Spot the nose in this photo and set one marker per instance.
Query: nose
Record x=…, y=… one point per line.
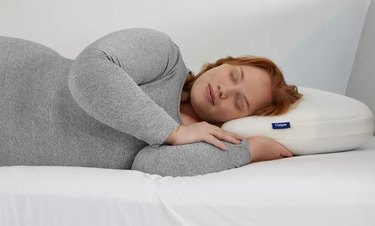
x=226, y=91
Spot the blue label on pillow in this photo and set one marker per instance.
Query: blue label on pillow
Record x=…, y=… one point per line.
x=281, y=125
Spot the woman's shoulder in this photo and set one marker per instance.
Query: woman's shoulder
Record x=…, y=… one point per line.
x=145, y=41
x=141, y=35
x=144, y=32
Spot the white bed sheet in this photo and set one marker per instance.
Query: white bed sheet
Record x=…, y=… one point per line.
x=326, y=189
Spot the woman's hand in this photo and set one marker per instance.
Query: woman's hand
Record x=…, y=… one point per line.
x=202, y=131
x=264, y=148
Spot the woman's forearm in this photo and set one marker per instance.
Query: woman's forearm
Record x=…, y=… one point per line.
x=191, y=159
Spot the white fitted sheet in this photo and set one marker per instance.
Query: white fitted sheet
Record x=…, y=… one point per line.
x=326, y=189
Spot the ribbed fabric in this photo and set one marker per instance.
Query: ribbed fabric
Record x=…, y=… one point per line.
x=119, y=96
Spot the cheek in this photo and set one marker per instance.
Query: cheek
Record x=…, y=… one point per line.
x=227, y=113
x=194, y=95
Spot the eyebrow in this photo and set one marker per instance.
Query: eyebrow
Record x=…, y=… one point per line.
x=242, y=79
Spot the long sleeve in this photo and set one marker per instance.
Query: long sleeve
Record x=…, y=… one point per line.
x=105, y=81
x=191, y=159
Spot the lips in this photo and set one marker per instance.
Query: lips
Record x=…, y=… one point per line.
x=211, y=95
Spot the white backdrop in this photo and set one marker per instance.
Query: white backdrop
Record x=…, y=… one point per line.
x=314, y=41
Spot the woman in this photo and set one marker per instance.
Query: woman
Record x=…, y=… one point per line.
x=117, y=105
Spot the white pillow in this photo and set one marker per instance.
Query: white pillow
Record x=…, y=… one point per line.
x=321, y=122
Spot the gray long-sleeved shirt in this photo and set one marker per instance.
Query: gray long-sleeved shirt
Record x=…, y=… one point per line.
x=112, y=107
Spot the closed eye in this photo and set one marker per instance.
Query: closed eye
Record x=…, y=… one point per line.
x=235, y=76
x=239, y=102
x=244, y=97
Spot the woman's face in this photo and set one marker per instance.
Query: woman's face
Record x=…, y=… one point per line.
x=228, y=92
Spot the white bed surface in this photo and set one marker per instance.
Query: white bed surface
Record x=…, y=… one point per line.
x=326, y=189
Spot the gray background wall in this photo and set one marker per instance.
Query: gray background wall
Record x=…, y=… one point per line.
x=361, y=84
x=314, y=41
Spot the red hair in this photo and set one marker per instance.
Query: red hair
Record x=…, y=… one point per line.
x=283, y=95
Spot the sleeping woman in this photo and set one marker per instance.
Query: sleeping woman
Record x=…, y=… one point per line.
x=129, y=102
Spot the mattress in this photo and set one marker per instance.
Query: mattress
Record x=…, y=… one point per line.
x=324, y=189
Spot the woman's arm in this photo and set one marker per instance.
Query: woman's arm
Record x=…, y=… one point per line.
x=191, y=159
x=105, y=79
x=203, y=158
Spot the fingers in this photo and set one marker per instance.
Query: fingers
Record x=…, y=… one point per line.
x=233, y=134
x=202, y=131
x=214, y=141
x=214, y=134
x=227, y=136
x=218, y=134
x=284, y=152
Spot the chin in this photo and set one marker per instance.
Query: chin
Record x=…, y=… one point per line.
x=203, y=116
x=200, y=109
x=211, y=120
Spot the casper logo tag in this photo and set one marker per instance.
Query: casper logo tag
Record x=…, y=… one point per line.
x=281, y=125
